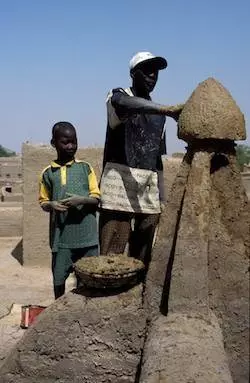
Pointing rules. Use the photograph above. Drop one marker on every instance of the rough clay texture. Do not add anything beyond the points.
(36, 222)
(165, 241)
(184, 348)
(189, 277)
(210, 113)
(81, 339)
(229, 250)
(201, 255)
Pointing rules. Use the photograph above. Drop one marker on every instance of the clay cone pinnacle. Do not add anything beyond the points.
(211, 113)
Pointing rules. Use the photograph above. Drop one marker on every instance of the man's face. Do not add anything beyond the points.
(66, 144)
(145, 78)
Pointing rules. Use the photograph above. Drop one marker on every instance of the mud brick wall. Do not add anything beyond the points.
(11, 219)
(36, 249)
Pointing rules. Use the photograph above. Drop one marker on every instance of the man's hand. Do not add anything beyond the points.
(73, 201)
(54, 205)
(174, 111)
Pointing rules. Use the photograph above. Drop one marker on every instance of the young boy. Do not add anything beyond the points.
(69, 191)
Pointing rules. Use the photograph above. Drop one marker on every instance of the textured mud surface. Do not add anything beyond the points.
(211, 113)
(81, 338)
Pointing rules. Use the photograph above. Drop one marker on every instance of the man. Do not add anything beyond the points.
(135, 141)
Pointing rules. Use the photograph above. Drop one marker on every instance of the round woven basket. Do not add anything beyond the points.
(109, 271)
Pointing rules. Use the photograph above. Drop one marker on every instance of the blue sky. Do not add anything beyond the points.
(59, 58)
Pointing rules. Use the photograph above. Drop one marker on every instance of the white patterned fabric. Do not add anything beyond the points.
(128, 189)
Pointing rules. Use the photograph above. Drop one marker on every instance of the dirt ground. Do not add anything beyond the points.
(19, 286)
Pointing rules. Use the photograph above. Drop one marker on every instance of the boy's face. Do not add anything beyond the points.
(66, 144)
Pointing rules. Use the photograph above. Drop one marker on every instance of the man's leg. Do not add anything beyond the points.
(142, 237)
(114, 231)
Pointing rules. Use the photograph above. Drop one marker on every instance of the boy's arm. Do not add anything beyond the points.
(44, 197)
(75, 200)
(94, 191)
(130, 105)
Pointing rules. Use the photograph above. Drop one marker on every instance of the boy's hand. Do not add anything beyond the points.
(73, 200)
(54, 205)
(58, 206)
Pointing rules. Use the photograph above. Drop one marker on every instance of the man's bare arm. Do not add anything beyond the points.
(140, 105)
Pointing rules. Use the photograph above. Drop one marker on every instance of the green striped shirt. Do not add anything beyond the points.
(75, 228)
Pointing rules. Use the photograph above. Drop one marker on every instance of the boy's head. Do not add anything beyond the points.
(64, 139)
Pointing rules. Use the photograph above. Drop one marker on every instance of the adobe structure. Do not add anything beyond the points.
(200, 264)
(11, 171)
(188, 322)
(11, 207)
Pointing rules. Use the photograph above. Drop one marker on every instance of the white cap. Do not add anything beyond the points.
(140, 57)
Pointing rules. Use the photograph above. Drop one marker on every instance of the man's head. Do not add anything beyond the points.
(144, 68)
(64, 139)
